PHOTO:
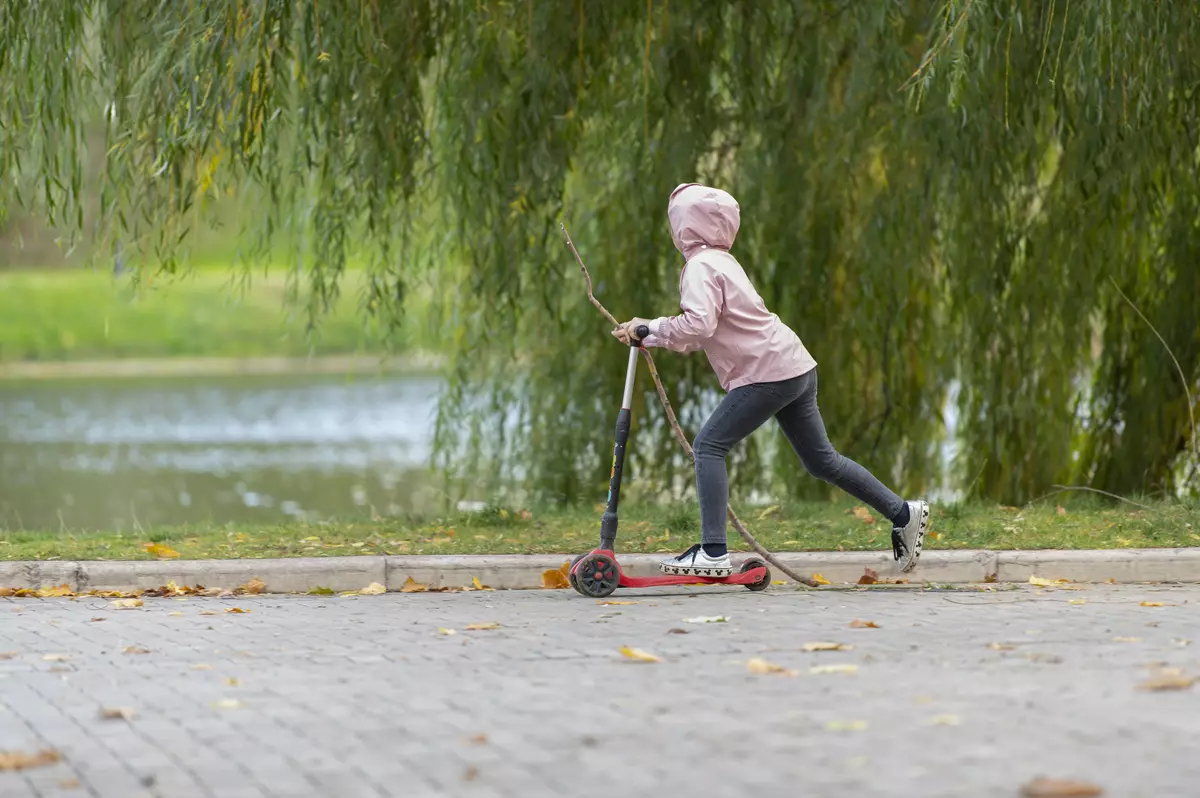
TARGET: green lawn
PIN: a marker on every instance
(71, 315)
(652, 528)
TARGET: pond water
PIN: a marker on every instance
(119, 453)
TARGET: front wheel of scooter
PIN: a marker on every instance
(761, 584)
(597, 575)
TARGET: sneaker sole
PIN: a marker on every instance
(678, 570)
(922, 528)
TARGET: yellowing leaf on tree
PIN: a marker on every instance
(843, 668)
(637, 655)
(127, 604)
(555, 579)
(482, 627)
(820, 580)
(857, 624)
(762, 667)
(826, 646)
(413, 586)
(1058, 788)
(1040, 582)
(160, 551)
(373, 589)
(17, 760)
(864, 515)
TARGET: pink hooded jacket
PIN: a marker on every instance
(722, 313)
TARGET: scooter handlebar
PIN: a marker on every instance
(642, 332)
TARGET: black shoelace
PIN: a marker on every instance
(898, 547)
(692, 551)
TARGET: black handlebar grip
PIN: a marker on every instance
(642, 333)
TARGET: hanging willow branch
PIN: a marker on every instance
(674, 422)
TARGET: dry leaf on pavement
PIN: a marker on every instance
(56, 657)
(136, 650)
(1056, 788)
(706, 619)
(232, 681)
(1041, 582)
(637, 655)
(208, 612)
(482, 627)
(843, 668)
(1168, 682)
(18, 760)
(126, 604)
(1152, 604)
(237, 610)
(846, 725)
(160, 551)
(1001, 646)
(614, 603)
(480, 586)
(373, 589)
(413, 586)
(555, 578)
(869, 577)
(857, 624)
(1077, 601)
(116, 713)
(761, 666)
(202, 666)
(945, 720)
(227, 703)
(254, 587)
(447, 632)
(8, 654)
(1127, 639)
(820, 580)
(821, 645)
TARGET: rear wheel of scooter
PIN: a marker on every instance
(761, 584)
(571, 575)
(597, 575)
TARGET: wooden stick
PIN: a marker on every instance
(674, 422)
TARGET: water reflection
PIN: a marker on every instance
(116, 454)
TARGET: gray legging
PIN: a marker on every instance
(793, 403)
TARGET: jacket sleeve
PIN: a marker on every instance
(701, 298)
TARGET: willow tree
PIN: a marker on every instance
(991, 207)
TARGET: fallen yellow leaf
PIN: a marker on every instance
(1041, 582)
(232, 682)
(555, 579)
(945, 720)
(614, 603)
(1152, 604)
(127, 604)
(202, 666)
(824, 646)
(413, 586)
(482, 627)
(56, 657)
(637, 655)
(116, 713)
(69, 784)
(707, 619)
(1060, 510)
(846, 725)
(208, 612)
(1001, 646)
(254, 586)
(227, 703)
(59, 591)
(1168, 682)
(8, 654)
(373, 589)
(447, 631)
(237, 610)
(1056, 788)
(857, 624)
(761, 666)
(843, 668)
(1077, 601)
(480, 586)
(820, 580)
(16, 760)
(136, 650)
(1127, 639)
(177, 613)
(160, 551)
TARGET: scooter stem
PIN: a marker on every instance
(608, 522)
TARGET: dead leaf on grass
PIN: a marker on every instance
(482, 627)
(127, 604)
(136, 650)
(373, 589)
(761, 666)
(857, 624)
(820, 580)
(18, 760)
(863, 514)
(1060, 510)
(160, 551)
(116, 713)
(637, 655)
(413, 586)
(842, 668)
(1059, 788)
(822, 645)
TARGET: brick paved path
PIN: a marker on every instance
(365, 696)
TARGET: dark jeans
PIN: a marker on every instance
(793, 403)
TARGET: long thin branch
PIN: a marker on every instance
(1182, 377)
(1086, 489)
(674, 422)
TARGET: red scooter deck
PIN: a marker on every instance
(603, 574)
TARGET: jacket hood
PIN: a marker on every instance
(702, 218)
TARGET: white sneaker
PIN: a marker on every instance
(694, 562)
(907, 540)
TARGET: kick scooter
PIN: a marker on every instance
(598, 574)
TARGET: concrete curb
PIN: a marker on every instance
(516, 571)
